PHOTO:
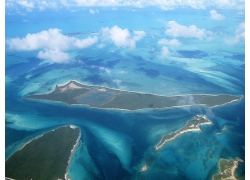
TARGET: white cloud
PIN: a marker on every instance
(51, 42)
(139, 35)
(91, 11)
(216, 16)
(54, 55)
(172, 42)
(64, 3)
(26, 4)
(201, 4)
(42, 5)
(239, 34)
(177, 30)
(100, 46)
(108, 71)
(163, 4)
(164, 51)
(121, 72)
(121, 37)
(118, 83)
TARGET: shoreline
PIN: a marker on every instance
(35, 138)
(29, 141)
(120, 109)
(233, 168)
(173, 138)
(63, 84)
(160, 145)
(79, 84)
(72, 152)
(53, 138)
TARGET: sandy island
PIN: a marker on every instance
(192, 125)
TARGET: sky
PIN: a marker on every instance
(120, 37)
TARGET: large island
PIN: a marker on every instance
(43, 158)
(75, 93)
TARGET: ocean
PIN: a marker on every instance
(116, 144)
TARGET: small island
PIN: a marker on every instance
(192, 125)
(227, 169)
(75, 93)
(46, 157)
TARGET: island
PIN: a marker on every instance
(192, 125)
(45, 157)
(76, 93)
(227, 169)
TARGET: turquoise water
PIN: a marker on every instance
(115, 144)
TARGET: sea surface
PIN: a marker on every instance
(116, 144)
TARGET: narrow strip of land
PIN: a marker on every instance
(192, 125)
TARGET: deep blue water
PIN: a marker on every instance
(115, 144)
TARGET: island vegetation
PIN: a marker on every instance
(45, 157)
(227, 169)
(192, 125)
(102, 97)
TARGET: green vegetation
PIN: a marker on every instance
(227, 169)
(66, 97)
(82, 94)
(191, 125)
(43, 158)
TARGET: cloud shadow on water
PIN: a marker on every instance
(239, 57)
(149, 72)
(95, 79)
(111, 64)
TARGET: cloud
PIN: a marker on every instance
(42, 5)
(239, 34)
(121, 37)
(108, 71)
(121, 72)
(118, 83)
(173, 42)
(164, 51)
(26, 4)
(50, 42)
(100, 46)
(54, 55)
(91, 11)
(201, 4)
(177, 30)
(216, 16)
(163, 4)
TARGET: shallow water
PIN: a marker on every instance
(116, 144)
